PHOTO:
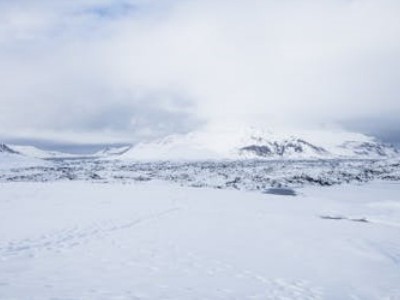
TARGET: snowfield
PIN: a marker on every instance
(157, 240)
(90, 228)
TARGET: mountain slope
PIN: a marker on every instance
(6, 149)
(31, 151)
(10, 158)
(112, 151)
(256, 143)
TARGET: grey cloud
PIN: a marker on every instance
(144, 117)
(385, 127)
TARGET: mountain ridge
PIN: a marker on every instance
(259, 143)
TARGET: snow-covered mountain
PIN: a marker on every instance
(31, 151)
(6, 149)
(112, 151)
(250, 143)
(11, 158)
(34, 152)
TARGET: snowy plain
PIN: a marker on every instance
(159, 240)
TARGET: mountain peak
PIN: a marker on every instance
(262, 143)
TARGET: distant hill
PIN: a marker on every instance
(260, 143)
(11, 158)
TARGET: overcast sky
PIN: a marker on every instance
(98, 71)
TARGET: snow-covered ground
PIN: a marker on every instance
(157, 240)
(234, 174)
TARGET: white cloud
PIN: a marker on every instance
(73, 67)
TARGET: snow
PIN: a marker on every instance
(249, 175)
(156, 240)
(35, 152)
(230, 143)
(256, 229)
(10, 161)
(111, 151)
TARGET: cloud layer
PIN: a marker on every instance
(128, 70)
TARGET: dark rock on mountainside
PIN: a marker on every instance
(6, 149)
(371, 149)
(270, 149)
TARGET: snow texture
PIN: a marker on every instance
(117, 228)
(80, 240)
(237, 174)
